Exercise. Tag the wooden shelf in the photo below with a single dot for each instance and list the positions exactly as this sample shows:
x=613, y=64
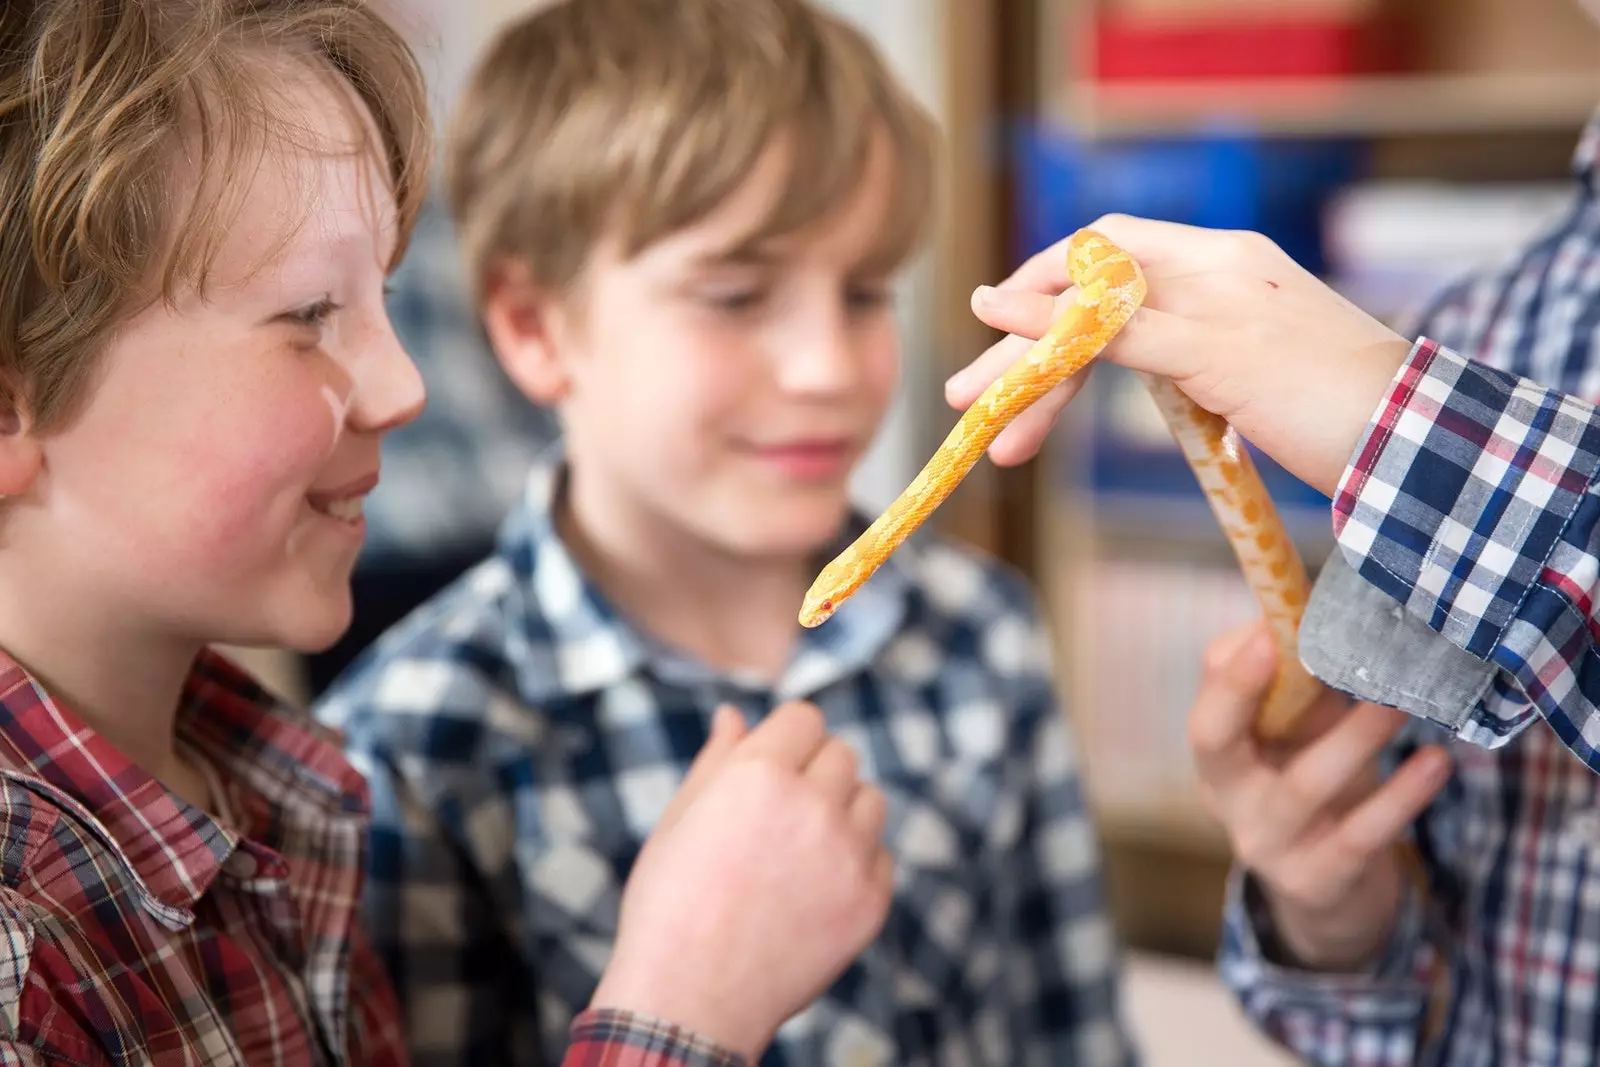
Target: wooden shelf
x=1188, y=830
x=1367, y=106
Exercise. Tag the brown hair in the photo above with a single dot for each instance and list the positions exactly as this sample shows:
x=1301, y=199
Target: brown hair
x=630, y=119
x=98, y=98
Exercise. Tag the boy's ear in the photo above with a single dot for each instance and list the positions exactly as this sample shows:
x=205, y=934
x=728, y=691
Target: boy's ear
x=524, y=324
x=20, y=453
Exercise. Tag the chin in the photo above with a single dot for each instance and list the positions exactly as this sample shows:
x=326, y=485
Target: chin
x=316, y=627
x=793, y=532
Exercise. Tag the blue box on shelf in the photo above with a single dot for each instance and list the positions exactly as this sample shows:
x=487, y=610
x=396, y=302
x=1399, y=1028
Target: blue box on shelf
x=1223, y=177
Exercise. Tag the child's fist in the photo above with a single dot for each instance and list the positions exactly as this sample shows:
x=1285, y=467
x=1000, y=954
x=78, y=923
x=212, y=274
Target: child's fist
x=1312, y=818
x=765, y=878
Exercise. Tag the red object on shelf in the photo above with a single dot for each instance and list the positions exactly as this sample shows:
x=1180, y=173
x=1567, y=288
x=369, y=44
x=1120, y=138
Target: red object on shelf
x=1146, y=49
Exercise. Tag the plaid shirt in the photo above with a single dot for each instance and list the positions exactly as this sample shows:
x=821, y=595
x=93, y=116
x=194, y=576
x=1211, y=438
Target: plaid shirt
x=522, y=740
x=139, y=930
x=1471, y=508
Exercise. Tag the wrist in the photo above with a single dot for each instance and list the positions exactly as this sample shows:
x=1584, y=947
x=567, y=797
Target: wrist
x=1352, y=400
x=1345, y=938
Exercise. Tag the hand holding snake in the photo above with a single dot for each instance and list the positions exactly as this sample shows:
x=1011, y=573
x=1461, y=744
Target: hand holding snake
x=1110, y=288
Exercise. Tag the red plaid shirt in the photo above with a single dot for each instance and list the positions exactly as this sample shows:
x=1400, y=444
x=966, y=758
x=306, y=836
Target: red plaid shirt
x=136, y=929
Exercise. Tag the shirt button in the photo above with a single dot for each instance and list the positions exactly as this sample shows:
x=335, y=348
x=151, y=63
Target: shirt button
x=240, y=864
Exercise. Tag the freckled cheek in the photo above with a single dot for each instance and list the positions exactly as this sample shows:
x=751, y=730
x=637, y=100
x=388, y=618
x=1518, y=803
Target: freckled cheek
x=249, y=477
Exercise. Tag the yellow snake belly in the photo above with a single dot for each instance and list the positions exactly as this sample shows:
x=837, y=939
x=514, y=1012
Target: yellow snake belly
x=1110, y=288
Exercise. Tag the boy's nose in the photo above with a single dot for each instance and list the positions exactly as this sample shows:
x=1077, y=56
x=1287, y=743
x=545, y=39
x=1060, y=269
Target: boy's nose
x=821, y=359
x=388, y=387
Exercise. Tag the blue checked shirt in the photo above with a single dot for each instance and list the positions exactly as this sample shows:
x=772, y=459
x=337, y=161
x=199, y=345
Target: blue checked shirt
x=1464, y=591
x=522, y=741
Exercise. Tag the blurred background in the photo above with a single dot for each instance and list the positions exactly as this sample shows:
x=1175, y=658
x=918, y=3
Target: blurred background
x=1386, y=144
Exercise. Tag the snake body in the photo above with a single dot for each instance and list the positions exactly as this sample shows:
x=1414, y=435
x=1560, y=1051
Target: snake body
x=1110, y=288
x=1271, y=565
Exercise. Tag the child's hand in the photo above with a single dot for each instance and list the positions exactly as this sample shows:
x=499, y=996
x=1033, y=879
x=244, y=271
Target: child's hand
x=766, y=877
x=1237, y=324
x=1310, y=817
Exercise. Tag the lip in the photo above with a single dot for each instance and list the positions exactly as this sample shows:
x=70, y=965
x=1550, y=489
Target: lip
x=359, y=487
x=808, y=458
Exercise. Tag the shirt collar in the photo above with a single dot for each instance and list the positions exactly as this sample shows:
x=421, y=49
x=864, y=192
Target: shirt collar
x=173, y=849
x=594, y=647
x=1586, y=157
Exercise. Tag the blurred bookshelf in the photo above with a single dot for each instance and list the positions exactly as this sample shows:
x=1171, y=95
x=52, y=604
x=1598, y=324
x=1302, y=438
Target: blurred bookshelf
x=1386, y=144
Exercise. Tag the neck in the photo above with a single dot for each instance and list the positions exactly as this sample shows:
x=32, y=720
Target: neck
x=125, y=685
x=736, y=614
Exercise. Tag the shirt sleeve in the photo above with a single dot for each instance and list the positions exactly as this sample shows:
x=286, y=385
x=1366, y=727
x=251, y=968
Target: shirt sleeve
x=1471, y=503
x=606, y=1038
x=1372, y=1018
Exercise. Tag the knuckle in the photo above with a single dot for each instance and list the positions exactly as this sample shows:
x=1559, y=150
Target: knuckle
x=1218, y=654
x=1248, y=244
x=762, y=781
x=841, y=752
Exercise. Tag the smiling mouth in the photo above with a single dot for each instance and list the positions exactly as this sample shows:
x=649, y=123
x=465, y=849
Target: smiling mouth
x=344, y=503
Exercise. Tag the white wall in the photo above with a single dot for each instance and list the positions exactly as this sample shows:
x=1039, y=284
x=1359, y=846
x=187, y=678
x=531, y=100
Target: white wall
x=909, y=33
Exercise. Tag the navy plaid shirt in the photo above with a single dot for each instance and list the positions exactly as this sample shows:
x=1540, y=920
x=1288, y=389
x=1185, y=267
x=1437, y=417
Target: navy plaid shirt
x=1471, y=508
x=522, y=740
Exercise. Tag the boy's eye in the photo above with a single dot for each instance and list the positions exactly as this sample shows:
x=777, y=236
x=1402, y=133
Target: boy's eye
x=735, y=300
x=867, y=297
x=314, y=314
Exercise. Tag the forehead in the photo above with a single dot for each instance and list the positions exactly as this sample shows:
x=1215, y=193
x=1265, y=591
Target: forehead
x=309, y=174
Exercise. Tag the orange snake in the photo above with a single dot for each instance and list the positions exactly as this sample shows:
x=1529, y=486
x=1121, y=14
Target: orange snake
x=1110, y=288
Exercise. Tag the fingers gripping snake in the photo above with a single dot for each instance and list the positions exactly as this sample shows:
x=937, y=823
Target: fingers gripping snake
x=1110, y=288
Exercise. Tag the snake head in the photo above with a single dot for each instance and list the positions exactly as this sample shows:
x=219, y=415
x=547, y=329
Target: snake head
x=815, y=613
x=833, y=587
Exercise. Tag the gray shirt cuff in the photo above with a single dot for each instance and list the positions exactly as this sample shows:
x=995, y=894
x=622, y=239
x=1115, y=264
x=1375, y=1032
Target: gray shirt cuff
x=1359, y=640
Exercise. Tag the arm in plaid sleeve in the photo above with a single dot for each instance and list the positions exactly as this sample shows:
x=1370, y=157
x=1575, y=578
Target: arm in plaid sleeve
x=1471, y=501
x=1062, y=966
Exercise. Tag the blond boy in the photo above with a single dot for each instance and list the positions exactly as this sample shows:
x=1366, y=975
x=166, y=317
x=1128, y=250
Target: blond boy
x=684, y=219
x=199, y=203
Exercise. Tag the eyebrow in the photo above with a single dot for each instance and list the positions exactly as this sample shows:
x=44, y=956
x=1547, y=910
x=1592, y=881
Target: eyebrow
x=743, y=254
